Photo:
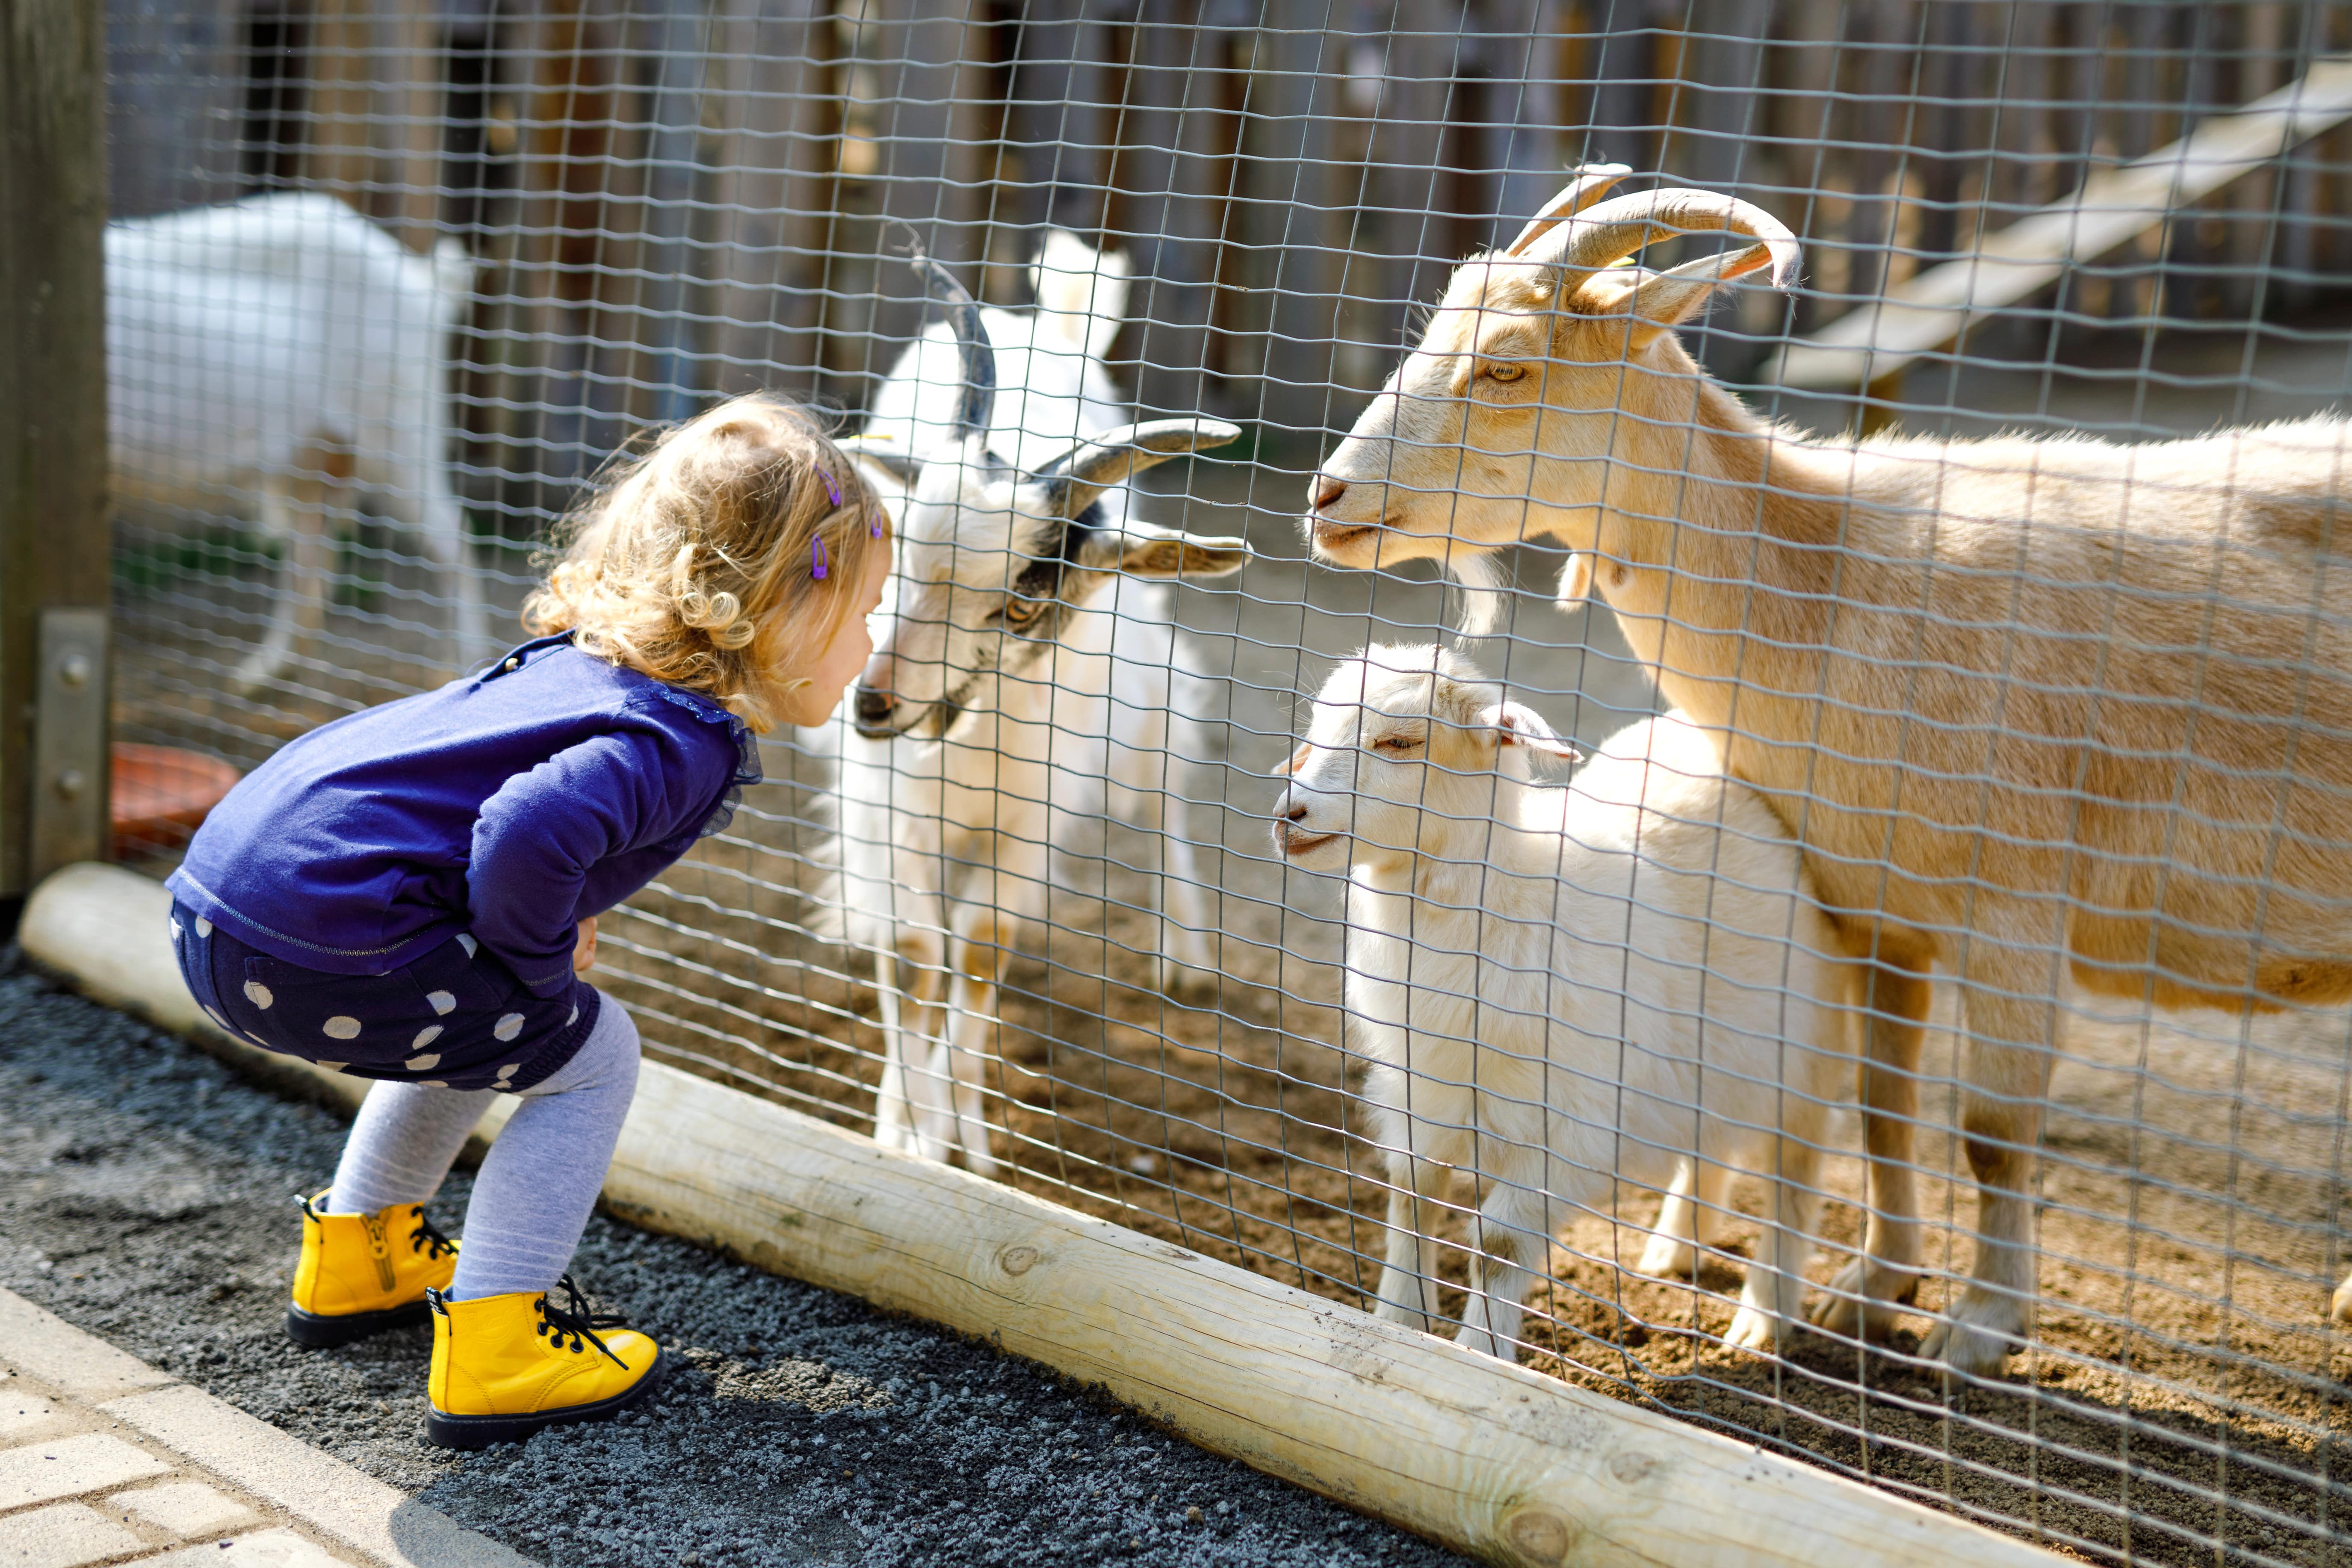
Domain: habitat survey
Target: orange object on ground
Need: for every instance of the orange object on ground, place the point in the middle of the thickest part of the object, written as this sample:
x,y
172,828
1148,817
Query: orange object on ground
x,y
162,795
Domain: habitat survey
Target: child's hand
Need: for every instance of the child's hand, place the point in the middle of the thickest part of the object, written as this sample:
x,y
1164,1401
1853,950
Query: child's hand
x,y
583,955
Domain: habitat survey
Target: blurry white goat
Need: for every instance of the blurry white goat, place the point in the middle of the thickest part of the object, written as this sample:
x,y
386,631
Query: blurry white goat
x,y
1021,684
264,355
1562,989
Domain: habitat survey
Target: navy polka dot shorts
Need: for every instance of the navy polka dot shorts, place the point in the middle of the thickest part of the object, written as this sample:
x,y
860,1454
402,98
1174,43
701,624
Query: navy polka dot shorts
x,y
455,1018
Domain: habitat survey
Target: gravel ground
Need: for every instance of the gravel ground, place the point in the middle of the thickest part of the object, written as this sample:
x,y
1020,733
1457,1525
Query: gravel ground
x,y
145,1194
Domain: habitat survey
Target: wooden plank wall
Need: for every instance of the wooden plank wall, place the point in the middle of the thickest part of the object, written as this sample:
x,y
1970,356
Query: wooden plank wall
x,y
685,197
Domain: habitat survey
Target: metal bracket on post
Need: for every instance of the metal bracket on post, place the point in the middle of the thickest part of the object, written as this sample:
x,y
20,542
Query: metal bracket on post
x,y
69,750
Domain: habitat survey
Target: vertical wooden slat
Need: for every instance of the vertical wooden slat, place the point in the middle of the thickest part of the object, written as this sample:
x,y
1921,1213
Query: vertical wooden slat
x,y
1174,179
54,536
665,42
930,91
378,72
173,114
773,119
1404,189
1297,217
1622,64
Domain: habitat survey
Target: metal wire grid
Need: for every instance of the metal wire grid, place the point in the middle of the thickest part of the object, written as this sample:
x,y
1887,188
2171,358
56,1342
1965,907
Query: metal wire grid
x,y
663,203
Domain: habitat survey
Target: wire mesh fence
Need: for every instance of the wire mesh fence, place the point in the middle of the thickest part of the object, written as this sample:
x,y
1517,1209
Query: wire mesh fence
x,y
2055,732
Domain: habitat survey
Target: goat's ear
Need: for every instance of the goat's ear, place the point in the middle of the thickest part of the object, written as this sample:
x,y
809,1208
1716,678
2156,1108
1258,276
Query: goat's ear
x,y
1575,581
1516,724
1147,549
1665,300
891,457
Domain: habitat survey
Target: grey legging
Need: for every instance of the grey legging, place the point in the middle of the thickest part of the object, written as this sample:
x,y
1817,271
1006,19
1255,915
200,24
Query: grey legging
x,y
540,1180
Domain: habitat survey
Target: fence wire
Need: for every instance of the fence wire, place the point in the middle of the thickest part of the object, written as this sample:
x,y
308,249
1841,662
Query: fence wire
x,y
474,246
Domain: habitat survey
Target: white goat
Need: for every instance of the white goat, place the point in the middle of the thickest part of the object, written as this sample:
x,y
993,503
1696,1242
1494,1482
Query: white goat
x,y
264,355
2034,708
1020,683
1559,990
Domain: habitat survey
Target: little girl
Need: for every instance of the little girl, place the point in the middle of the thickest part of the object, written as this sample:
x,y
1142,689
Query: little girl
x,y
409,895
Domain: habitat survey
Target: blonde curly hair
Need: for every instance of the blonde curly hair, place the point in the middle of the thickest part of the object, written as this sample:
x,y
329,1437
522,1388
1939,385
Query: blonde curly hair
x,y
694,562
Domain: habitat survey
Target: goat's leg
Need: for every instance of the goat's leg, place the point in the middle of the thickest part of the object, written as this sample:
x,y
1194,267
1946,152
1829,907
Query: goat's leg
x,y
1691,1219
894,1127
1185,959
1510,1242
2011,1038
1861,1301
1408,1287
977,956
294,512
1772,1298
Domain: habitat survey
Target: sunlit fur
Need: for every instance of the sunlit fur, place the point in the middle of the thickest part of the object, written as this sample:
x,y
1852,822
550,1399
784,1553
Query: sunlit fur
x,y
2038,709
1568,992
1012,733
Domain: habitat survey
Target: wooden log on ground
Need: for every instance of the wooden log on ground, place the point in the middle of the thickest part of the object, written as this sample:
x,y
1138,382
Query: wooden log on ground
x,y
1486,1456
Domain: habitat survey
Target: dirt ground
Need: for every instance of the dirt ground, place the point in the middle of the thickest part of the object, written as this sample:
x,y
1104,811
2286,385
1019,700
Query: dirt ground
x,y
2183,1401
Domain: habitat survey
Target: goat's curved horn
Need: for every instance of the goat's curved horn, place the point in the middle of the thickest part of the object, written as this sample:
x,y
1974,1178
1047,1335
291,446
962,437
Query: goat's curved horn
x,y
1592,183
1075,479
1616,229
977,411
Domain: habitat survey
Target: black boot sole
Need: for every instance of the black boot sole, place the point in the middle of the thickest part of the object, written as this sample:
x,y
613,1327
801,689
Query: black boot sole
x,y
320,1331
481,1431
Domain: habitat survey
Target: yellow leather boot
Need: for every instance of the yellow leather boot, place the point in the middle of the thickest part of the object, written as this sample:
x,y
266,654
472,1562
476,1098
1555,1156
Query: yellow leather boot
x,y
505,1366
362,1273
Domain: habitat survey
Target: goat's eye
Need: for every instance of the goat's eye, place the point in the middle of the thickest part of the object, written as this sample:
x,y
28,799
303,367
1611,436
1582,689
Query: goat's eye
x,y
1502,370
1399,744
1021,612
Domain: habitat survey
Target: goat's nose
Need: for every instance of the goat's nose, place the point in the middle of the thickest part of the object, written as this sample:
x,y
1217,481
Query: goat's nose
x,y
1296,814
873,707
1325,491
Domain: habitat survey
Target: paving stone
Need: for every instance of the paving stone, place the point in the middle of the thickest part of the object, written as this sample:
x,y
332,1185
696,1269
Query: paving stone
x,y
184,1508
36,1472
63,1535
268,1549
22,1414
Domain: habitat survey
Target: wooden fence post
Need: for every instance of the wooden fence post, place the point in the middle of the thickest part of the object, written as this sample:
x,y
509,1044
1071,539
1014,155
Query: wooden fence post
x,y
53,514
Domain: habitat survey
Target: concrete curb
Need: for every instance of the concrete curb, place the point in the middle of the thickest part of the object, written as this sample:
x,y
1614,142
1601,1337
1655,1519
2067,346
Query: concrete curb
x,y
384,1526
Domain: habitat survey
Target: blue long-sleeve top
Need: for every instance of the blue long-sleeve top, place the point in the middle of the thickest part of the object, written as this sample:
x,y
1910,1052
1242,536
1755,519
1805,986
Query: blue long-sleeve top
x,y
512,804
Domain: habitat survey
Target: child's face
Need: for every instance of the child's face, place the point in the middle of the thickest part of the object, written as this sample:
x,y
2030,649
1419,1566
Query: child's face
x,y
832,667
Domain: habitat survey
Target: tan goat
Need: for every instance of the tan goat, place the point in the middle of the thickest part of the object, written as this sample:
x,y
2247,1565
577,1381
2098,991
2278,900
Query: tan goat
x,y
2034,708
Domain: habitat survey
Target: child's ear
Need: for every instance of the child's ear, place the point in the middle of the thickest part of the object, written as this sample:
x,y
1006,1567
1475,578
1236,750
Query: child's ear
x,y
1516,724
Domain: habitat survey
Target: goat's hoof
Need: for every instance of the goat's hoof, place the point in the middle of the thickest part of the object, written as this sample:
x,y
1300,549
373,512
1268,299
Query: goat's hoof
x,y
1970,1350
895,1135
2341,1310
1486,1343
1668,1257
1754,1331
1863,1302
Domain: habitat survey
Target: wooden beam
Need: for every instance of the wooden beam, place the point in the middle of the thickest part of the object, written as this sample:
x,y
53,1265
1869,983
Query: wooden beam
x,y
54,538
1486,1456
2112,208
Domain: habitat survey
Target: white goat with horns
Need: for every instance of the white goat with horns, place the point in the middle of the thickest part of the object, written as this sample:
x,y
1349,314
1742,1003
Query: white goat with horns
x,y
1021,683
266,356
1558,988
2033,707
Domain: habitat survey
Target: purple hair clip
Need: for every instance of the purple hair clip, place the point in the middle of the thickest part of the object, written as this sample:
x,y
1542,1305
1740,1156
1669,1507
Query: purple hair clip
x,y
816,559
832,490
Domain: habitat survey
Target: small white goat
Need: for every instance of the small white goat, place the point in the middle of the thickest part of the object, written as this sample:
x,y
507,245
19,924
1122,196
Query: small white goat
x,y
1021,683
2036,708
1559,990
265,354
